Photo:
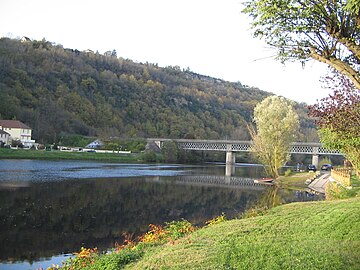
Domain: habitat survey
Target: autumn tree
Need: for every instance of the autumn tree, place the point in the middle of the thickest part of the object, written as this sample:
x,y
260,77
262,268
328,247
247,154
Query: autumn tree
x,y
327,31
338,117
277,124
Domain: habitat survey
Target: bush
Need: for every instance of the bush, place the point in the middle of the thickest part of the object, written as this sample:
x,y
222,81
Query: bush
x,y
130,251
178,229
149,156
216,220
288,172
116,260
170,232
135,146
84,258
75,140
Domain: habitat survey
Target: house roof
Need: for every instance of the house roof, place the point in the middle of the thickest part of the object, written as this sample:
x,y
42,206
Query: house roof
x,y
4,132
13,124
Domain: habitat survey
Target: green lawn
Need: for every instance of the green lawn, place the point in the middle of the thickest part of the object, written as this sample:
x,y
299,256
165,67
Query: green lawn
x,y
295,180
42,154
314,235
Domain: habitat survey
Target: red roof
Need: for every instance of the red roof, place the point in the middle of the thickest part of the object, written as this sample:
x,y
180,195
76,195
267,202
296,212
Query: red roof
x,y
13,124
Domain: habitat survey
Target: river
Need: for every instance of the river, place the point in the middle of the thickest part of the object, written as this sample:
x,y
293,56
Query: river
x,y
49,209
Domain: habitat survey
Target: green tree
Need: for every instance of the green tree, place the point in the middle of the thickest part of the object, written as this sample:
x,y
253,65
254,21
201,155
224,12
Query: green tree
x,y
170,151
277,124
327,31
350,146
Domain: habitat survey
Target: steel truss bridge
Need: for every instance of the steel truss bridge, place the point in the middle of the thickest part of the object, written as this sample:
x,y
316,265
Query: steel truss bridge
x,y
231,147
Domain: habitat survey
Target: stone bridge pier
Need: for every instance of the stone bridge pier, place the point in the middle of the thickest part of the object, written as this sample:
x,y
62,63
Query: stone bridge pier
x,y
230,161
230,155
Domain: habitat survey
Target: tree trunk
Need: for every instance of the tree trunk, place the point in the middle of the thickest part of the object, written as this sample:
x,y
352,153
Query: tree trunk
x,y
339,65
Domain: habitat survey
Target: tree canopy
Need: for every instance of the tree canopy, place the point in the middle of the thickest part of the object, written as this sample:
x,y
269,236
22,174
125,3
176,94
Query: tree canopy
x,y
277,125
59,91
327,31
338,117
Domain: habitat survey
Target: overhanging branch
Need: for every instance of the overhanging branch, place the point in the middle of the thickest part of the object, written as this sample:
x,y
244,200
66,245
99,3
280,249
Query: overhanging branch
x,y
339,65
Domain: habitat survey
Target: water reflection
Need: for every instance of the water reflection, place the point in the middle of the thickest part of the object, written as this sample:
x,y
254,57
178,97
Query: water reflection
x,y
58,217
45,210
230,169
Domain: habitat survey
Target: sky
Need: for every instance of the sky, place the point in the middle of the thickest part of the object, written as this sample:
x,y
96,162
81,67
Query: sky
x,y
211,37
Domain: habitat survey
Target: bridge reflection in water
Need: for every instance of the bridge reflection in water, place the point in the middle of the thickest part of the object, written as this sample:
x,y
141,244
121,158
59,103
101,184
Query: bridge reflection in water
x,y
214,181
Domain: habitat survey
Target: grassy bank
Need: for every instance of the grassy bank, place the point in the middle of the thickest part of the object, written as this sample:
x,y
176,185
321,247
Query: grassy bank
x,y
313,235
61,155
316,235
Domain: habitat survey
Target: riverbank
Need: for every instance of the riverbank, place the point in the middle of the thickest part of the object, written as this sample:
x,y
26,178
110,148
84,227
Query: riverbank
x,y
312,235
296,180
62,155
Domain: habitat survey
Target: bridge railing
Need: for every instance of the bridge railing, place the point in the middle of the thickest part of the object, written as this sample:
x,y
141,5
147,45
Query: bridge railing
x,y
244,146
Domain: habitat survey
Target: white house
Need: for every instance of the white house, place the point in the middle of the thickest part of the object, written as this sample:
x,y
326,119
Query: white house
x,y
17,131
4,137
95,144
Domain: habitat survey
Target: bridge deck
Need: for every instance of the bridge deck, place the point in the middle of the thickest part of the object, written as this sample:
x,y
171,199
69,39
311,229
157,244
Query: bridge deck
x,y
243,146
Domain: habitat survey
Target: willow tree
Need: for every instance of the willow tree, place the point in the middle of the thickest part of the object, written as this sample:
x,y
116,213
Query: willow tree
x,y
277,124
327,31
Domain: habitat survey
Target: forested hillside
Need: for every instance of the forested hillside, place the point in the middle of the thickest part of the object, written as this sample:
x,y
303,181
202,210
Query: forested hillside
x,y
61,91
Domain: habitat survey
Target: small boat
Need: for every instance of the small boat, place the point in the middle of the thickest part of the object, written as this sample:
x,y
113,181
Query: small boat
x,y
263,180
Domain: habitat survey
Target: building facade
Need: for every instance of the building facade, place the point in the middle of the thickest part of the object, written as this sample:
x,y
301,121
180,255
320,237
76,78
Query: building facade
x,y
18,131
4,137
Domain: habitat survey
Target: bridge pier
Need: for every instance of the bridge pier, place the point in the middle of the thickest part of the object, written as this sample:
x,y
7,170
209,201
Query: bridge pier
x,y
230,163
230,158
315,160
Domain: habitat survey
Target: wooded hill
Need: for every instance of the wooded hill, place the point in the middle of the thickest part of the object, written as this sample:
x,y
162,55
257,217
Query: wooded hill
x,y
61,91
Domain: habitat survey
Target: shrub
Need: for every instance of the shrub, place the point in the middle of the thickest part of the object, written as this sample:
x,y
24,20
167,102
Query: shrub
x,y
216,220
335,191
288,172
170,232
116,260
156,234
75,140
84,258
149,156
178,229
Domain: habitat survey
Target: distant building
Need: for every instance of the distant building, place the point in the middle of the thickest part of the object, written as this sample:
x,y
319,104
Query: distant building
x,y
17,131
4,137
95,144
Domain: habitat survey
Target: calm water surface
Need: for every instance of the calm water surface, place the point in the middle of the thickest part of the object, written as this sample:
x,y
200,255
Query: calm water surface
x,y
49,209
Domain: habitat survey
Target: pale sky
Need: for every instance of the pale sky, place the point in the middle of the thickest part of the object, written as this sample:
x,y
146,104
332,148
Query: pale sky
x,y
211,37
